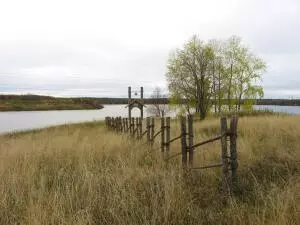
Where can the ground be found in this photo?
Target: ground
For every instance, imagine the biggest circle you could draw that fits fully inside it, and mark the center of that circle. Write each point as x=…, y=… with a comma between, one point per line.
x=85, y=174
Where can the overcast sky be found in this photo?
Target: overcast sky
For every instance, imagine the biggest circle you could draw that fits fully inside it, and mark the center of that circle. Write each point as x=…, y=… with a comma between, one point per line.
x=98, y=48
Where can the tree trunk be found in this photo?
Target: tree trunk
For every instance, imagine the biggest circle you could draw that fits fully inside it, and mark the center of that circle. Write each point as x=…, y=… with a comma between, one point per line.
x=229, y=88
x=219, y=89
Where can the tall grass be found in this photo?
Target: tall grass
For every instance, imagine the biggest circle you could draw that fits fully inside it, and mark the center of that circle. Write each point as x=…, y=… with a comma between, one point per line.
x=84, y=174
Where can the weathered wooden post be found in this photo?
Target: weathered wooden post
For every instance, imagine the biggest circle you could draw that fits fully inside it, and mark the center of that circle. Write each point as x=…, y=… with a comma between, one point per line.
x=225, y=171
x=123, y=124
x=140, y=127
x=113, y=122
x=129, y=104
x=133, y=127
x=120, y=122
x=109, y=122
x=168, y=134
x=142, y=103
x=183, y=142
x=126, y=124
x=130, y=125
x=162, y=130
x=191, y=140
x=137, y=127
x=152, y=132
x=148, y=127
x=233, y=152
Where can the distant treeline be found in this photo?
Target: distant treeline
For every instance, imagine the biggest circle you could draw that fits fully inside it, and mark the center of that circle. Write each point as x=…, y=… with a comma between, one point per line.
x=39, y=103
x=283, y=102
x=97, y=102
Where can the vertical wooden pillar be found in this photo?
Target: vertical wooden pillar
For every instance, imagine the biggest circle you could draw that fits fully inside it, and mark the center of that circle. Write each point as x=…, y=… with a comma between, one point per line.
x=113, y=123
x=124, y=124
x=140, y=127
x=162, y=128
x=152, y=132
x=132, y=127
x=191, y=140
x=129, y=106
x=148, y=129
x=225, y=171
x=168, y=134
x=183, y=142
x=137, y=127
x=233, y=152
x=142, y=102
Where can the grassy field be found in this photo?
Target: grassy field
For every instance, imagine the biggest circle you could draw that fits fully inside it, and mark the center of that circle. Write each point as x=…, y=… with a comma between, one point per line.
x=83, y=174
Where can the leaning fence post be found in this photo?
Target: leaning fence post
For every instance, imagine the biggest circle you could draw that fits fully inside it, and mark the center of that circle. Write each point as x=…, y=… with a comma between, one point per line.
x=148, y=129
x=123, y=122
x=113, y=123
x=233, y=152
x=191, y=140
x=133, y=127
x=126, y=124
x=118, y=124
x=224, y=157
x=152, y=131
x=168, y=134
x=141, y=127
x=162, y=127
x=130, y=124
x=137, y=127
x=183, y=142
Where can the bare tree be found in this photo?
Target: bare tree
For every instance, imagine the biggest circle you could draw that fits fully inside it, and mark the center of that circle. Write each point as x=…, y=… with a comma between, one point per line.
x=158, y=108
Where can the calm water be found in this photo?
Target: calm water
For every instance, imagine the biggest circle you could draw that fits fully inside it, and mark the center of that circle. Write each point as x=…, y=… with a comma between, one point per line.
x=12, y=121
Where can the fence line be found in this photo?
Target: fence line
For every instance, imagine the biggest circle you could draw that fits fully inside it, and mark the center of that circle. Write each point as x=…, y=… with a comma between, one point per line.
x=228, y=158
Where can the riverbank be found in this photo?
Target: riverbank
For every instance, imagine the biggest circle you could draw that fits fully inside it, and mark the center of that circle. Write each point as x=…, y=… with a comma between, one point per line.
x=45, y=103
x=84, y=174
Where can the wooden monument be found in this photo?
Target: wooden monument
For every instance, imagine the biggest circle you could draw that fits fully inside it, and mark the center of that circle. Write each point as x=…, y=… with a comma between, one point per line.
x=138, y=103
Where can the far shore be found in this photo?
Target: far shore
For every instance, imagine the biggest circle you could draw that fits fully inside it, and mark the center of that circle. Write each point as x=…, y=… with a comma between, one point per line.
x=46, y=103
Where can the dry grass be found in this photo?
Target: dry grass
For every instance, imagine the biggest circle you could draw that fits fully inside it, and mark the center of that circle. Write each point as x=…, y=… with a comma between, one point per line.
x=83, y=174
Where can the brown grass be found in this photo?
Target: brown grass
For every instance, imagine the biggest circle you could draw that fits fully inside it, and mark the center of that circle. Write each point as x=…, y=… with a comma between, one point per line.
x=83, y=174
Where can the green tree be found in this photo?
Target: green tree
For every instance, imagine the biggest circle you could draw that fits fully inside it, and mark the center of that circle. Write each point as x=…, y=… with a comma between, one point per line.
x=188, y=75
x=202, y=74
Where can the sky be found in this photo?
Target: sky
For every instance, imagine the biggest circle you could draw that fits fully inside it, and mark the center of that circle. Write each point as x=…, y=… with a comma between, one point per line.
x=98, y=48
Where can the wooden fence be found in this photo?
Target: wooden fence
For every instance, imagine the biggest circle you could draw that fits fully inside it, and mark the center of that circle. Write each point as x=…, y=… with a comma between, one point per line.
x=228, y=157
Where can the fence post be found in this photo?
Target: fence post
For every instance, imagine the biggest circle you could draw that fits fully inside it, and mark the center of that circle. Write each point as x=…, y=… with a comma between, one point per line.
x=224, y=157
x=140, y=127
x=130, y=124
x=132, y=129
x=109, y=122
x=118, y=124
x=162, y=127
x=123, y=122
x=168, y=135
x=113, y=123
x=148, y=129
x=183, y=142
x=126, y=124
x=191, y=140
x=233, y=152
x=152, y=132
x=137, y=127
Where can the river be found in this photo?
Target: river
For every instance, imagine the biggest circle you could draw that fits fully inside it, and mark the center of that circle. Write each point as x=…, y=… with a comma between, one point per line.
x=15, y=121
